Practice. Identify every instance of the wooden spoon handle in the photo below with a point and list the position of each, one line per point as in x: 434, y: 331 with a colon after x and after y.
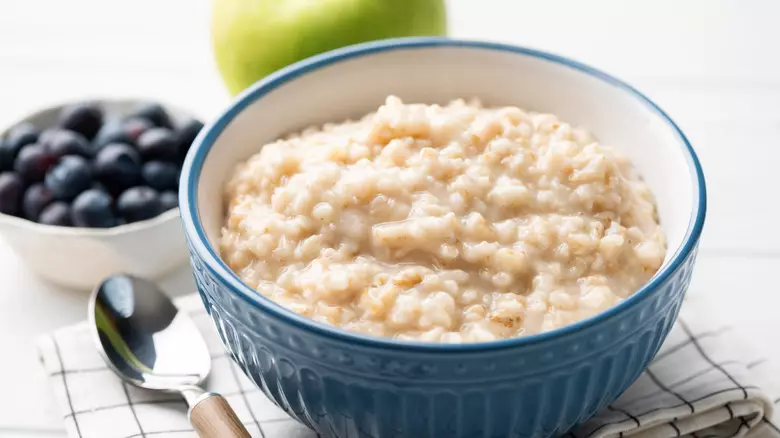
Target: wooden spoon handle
x: 212, y: 417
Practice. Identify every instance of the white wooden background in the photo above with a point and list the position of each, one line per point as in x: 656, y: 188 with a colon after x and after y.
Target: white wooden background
x: 714, y: 65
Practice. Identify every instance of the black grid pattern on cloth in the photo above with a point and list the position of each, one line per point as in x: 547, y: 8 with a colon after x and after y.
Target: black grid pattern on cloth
x: 706, y: 357
x: 692, y: 342
x: 132, y: 409
x: 244, y: 398
x: 666, y: 389
x: 167, y: 399
x: 675, y: 348
x: 131, y: 402
x: 682, y: 381
x: 625, y: 414
x: 190, y: 431
x: 65, y: 383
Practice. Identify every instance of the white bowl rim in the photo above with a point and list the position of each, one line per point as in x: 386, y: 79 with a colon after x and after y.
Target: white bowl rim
x: 118, y: 230
x: 56, y: 230
x: 198, y: 153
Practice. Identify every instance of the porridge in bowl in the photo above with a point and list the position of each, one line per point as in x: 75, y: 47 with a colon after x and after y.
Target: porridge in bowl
x: 455, y: 223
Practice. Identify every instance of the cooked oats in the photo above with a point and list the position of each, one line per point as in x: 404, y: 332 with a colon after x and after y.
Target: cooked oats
x: 455, y: 223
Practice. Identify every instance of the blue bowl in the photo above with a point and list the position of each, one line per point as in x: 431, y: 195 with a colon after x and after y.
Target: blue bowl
x: 343, y: 384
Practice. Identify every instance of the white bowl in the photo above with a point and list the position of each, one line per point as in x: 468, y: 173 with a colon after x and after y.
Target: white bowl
x: 79, y: 258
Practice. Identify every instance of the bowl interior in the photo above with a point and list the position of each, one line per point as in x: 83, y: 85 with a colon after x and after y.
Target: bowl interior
x: 334, y: 88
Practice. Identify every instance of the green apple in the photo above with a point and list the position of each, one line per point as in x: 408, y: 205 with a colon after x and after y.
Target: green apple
x: 252, y: 38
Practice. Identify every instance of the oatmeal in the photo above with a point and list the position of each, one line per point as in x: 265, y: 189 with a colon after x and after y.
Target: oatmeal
x: 455, y: 223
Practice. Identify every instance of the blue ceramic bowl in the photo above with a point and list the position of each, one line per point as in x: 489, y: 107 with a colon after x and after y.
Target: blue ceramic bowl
x: 343, y: 384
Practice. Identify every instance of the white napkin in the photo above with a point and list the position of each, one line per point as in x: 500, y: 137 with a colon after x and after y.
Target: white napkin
x: 700, y: 384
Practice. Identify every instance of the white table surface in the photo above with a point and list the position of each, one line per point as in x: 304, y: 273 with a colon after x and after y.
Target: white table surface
x: 714, y: 65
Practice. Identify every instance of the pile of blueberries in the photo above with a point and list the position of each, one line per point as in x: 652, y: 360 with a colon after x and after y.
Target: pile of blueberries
x: 92, y: 170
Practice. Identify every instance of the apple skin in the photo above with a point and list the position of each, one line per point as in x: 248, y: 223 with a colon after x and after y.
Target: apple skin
x: 252, y: 38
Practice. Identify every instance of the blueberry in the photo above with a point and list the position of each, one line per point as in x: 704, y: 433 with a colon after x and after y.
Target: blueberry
x: 97, y: 185
x: 112, y: 131
x: 61, y: 142
x: 134, y: 127
x: 84, y: 118
x: 47, y: 135
x: 19, y: 136
x: 56, y: 213
x: 11, y: 190
x: 120, y: 131
x: 153, y: 112
x: 186, y: 135
x: 8, y: 153
x: 35, y: 199
x: 71, y: 176
x: 23, y: 134
x: 33, y: 162
x: 169, y: 200
x: 160, y: 175
x: 157, y: 144
x: 139, y: 203
x: 92, y: 208
x: 118, y: 166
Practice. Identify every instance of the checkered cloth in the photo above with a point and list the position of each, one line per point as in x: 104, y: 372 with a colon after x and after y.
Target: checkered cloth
x: 702, y: 384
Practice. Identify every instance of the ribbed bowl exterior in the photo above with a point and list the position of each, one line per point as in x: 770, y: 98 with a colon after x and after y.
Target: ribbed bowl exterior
x: 540, y: 389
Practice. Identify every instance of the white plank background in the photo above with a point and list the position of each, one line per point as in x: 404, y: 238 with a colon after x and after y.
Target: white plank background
x: 714, y: 65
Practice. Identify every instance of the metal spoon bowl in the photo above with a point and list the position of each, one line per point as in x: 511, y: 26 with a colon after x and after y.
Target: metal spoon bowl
x: 149, y: 343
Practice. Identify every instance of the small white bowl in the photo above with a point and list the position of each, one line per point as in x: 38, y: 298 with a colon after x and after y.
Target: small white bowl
x: 79, y: 258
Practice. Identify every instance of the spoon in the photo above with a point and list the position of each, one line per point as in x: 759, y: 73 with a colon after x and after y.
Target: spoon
x: 145, y: 340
